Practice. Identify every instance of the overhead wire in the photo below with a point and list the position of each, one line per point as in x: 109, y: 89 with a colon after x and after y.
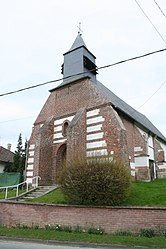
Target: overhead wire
x: 152, y: 95
x: 16, y: 119
x: 98, y: 68
x: 102, y: 67
x: 150, y: 21
x: 160, y: 8
x: 132, y: 113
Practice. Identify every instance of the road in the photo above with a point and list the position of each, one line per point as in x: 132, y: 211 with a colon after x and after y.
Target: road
x: 12, y: 244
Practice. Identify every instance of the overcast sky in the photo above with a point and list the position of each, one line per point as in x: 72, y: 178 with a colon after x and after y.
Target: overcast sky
x: 34, y: 34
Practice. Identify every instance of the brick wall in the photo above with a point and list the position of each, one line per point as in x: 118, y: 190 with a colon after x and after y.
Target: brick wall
x: 70, y: 99
x: 110, y: 219
x: 77, y: 108
x: 62, y: 103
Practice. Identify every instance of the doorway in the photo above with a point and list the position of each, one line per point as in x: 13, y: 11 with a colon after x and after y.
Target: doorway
x: 152, y: 169
x: 61, y: 157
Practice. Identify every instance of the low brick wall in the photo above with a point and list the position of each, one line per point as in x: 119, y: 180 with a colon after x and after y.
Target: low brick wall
x: 108, y: 218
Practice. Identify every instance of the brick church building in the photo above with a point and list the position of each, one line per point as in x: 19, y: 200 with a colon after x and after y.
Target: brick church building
x: 82, y: 116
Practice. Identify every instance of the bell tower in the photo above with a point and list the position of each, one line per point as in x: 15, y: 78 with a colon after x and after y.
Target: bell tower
x: 79, y: 62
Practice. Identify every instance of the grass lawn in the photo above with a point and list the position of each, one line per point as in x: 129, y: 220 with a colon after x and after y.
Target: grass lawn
x: 147, y: 194
x: 141, y: 194
x: 11, y: 193
x: 44, y: 234
x: 54, y: 197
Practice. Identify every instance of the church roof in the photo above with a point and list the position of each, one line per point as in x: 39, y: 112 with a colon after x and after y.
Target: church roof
x: 79, y: 42
x: 121, y: 105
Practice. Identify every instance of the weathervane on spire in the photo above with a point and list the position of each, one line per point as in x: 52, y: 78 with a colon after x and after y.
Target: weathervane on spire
x: 79, y: 28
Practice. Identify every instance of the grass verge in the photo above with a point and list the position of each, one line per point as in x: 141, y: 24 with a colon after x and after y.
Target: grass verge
x: 43, y: 234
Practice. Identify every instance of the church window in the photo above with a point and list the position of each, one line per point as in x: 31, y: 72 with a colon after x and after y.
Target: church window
x: 65, y: 128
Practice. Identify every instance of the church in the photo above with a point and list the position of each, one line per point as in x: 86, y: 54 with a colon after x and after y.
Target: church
x: 83, y: 117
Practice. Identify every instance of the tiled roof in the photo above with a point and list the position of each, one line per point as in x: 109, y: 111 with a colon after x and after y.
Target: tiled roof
x: 6, y: 155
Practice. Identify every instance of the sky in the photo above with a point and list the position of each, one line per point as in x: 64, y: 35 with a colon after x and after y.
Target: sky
x: 34, y: 35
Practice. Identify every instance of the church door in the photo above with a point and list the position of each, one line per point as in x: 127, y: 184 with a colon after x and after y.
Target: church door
x: 61, y: 157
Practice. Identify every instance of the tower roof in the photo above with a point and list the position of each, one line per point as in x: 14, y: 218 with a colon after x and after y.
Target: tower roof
x: 79, y: 42
x: 79, y: 63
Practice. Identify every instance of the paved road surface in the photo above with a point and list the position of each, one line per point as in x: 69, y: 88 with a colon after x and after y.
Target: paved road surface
x: 4, y: 244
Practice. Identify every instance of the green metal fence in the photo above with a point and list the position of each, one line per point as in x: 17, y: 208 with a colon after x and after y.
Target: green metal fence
x: 9, y: 179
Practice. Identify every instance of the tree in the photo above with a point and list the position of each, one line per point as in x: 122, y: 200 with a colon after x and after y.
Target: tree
x: 20, y: 157
x: 18, y: 164
x: 8, y: 167
x: 95, y: 182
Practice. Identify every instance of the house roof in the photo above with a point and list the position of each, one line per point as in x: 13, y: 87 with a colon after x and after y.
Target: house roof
x: 6, y: 155
x: 136, y: 116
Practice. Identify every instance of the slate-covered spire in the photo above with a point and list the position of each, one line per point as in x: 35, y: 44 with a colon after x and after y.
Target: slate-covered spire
x: 78, y: 42
x: 79, y: 62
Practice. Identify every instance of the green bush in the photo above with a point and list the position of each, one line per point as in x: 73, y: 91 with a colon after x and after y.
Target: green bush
x: 95, y: 182
x: 163, y: 232
x: 149, y: 233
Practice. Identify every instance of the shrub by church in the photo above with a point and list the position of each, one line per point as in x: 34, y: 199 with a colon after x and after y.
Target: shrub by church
x: 82, y: 116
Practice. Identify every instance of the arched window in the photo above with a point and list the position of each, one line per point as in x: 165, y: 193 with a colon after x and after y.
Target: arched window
x: 65, y: 128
